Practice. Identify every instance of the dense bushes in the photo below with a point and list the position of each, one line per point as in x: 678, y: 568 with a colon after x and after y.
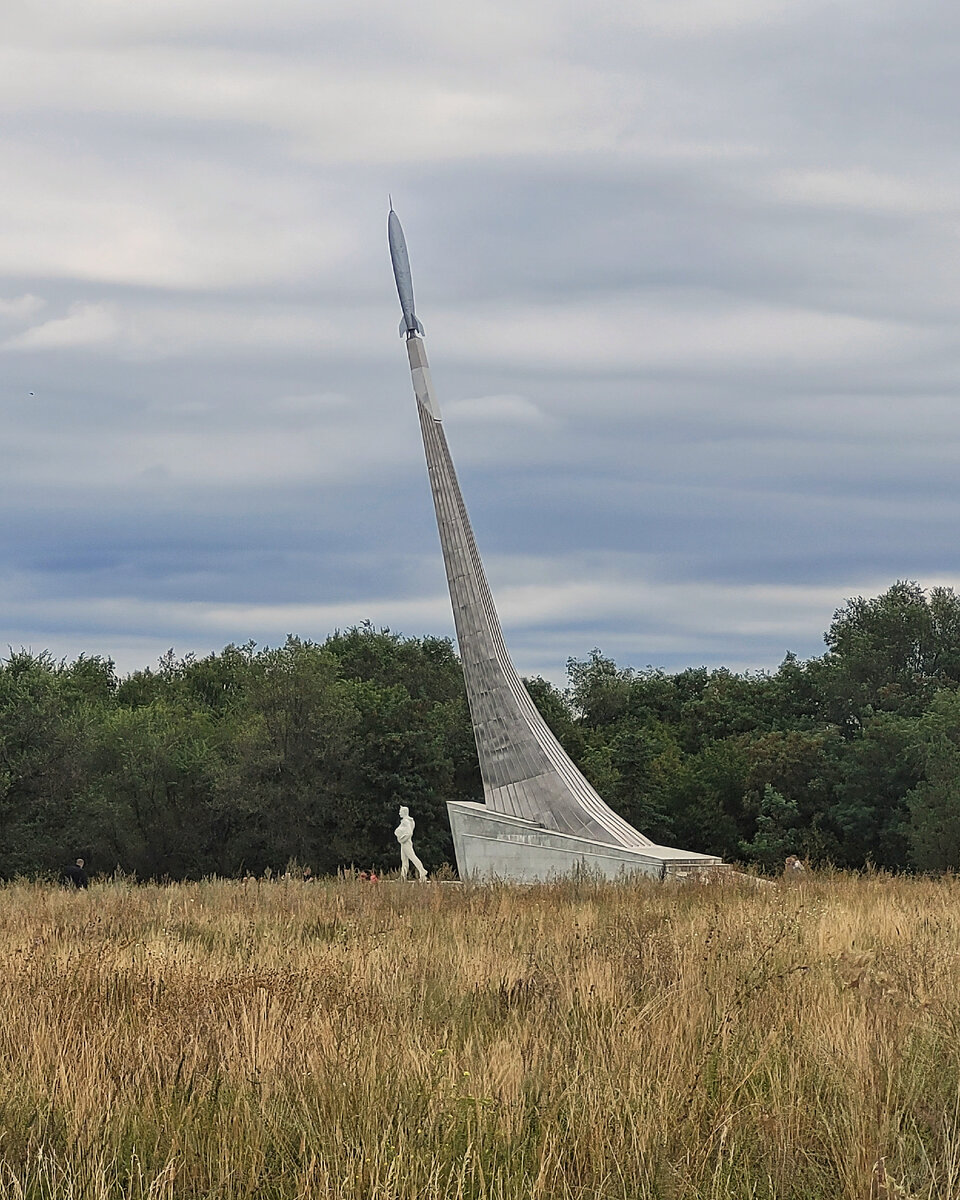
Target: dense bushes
x: 851, y: 757
x: 250, y: 758
x: 236, y: 762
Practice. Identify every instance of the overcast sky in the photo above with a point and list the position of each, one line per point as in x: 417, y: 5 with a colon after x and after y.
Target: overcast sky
x: 687, y: 269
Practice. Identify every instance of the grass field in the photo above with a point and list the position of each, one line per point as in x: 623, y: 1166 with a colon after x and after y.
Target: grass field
x: 345, y: 1039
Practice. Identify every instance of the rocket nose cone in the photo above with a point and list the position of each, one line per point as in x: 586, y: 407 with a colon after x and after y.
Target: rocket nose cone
x: 394, y: 237
x: 398, y: 253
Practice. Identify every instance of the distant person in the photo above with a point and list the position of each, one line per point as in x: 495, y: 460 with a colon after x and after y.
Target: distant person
x: 75, y: 874
x: 307, y: 875
x: 793, y: 868
x: 374, y: 877
x: 404, y: 835
x: 362, y: 876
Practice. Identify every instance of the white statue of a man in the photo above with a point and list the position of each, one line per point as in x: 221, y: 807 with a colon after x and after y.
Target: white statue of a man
x: 404, y: 835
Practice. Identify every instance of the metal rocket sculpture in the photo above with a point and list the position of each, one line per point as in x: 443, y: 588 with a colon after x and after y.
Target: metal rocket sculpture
x: 401, y: 272
x: 532, y: 790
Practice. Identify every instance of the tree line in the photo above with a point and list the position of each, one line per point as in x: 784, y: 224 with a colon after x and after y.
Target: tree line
x: 252, y: 758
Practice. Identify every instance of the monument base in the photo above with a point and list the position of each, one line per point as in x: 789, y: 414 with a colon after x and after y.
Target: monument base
x: 491, y: 845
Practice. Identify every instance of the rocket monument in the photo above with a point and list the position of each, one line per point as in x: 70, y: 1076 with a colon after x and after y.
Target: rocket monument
x: 540, y: 817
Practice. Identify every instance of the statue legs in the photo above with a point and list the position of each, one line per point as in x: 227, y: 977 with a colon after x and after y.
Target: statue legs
x: 408, y: 857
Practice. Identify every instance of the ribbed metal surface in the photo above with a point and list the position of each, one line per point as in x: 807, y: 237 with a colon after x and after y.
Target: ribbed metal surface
x: 526, y: 772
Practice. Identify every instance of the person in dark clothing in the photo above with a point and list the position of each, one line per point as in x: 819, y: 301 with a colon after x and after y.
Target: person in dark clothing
x: 75, y: 874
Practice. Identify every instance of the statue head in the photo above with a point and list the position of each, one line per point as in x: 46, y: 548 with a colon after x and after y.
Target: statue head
x: 404, y: 811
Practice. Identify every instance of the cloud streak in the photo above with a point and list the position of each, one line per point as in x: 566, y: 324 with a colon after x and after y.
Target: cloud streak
x: 84, y: 325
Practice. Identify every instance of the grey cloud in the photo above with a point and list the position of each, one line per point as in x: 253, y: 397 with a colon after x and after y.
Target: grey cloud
x: 708, y: 246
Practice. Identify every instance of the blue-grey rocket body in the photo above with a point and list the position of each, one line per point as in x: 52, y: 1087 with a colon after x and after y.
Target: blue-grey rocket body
x: 409, y: 326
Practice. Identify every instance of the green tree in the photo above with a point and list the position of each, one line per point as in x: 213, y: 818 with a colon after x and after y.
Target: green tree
x: 777, y: 833
x: 802, y: 767
x: 875, y: 771
x: 289, y: 743
x: 891, y: 653
x: 599, y: 690
x: 722, y: 705
x: 146, y: 806
x: 49, y: 714
x: 933, y: 805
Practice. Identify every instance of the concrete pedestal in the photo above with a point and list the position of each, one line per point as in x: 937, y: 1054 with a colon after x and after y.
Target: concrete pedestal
x: 491, y: 845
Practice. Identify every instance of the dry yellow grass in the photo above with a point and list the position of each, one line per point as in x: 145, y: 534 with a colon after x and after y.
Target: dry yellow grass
x: 227, y: 1040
